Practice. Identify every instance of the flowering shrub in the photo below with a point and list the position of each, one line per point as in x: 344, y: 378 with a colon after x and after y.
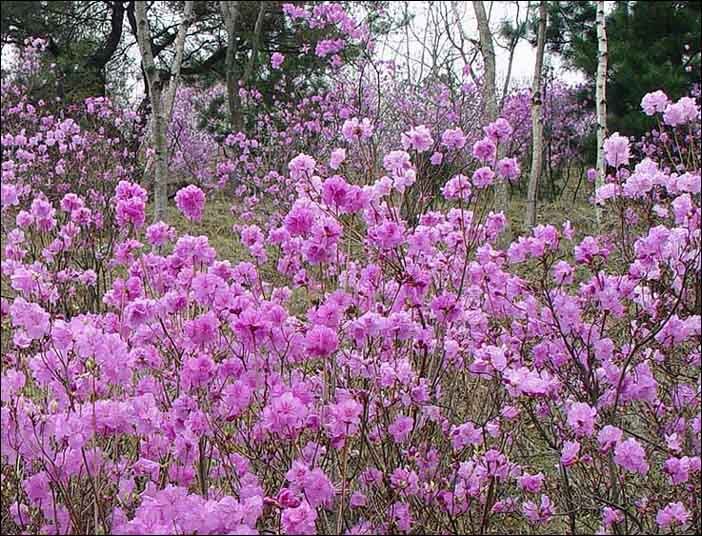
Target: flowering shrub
x: 395, y: 377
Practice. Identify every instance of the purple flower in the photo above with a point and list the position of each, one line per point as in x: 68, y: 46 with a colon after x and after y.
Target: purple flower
x: 654, y: 102
x: 453, y: 138
x: 581, y: 418
x: 508, y: 168
x: 483, y: 177
x: 673, y: 514
x: 484, y: 149
x: 569, y: 453
x: 683, y: 111
x: 191, y: 202
x: 337, y: 157
x: 400, y: 428
x: 616, y: 149
x: 355, y: 130
x: 419, y: 138
x: 499, y: 130
x: 531, y: 483
x: 321, y: 341
x: 299, y: 520
x: 277, y: 60
x: 631, y: 456
x: 318, y: 490
x: 401, y: 516
x: 608, y: 437
x: 302, y: 166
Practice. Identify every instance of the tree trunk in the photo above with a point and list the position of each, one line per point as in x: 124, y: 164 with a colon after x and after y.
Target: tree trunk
x: 175, y: 68
x: 537, y: 125
x: 160, y: 107
x: 487, y: 49
x: 512, y: 48
x: 230, y: 14
x: 98, y: 60
x: 249, y: 74
x: 601, y: 99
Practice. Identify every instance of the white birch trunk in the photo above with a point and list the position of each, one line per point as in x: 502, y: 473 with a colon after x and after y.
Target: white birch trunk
x: 161, y: 108
x: 537, y: 126
x: 175, y: 68
x: 601, y: 99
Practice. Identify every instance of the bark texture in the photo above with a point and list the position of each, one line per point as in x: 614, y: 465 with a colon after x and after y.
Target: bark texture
x: 487, y: 49
x: 537, y: 125
x: 161, y: 104
x: 230, y: 15
x: 601, y: 98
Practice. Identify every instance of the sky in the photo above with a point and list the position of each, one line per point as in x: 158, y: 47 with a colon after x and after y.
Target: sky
x: 524, y: 56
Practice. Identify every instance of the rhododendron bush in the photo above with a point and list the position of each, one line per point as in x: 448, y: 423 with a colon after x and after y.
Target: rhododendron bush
x: 375, y: 362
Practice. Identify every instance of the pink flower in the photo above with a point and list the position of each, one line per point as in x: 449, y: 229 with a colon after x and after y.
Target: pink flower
x: 37, y: 488
x: 531, y: 483
x: 683, y: 111
x: 401, y: 516
x: 508, y: 168
x: 302, y: 166
x: 484, y: 149
x: 202, y: 329
x: 499, y: 130
x: 299, y: 520
x: 8, y: 194
x: 483, y: 177
x: 191, y: 202
x: 569, y: 453
x: 453, y: 138
x: 458, y: 187
x: 654, y: 102
x: 355, y: 130
x: 608, y: 437
x: 562, y: 273
x: 159, y: 234
x: 611, y: 516
x: 581, y: 418
x: 337, y: 157
x: 678, y: 469
x: 30, y: 316
x: 419, y: 138
x: 397, y: 162
x: 616, y: 149
x: 299, y: 220
x: 326, y: 47
x: 631, y: 456
x: 537, y: 514
x: 285, y: 415
x: 321, y: 341
x: 358, y: 500
x: 673, y: 514
x: 400, y: 428
x: 277, y: 60
x: 387, y: 235
x: 465, y: 434
x: 318, y: 489
x: 436, y: 159
x: 334, y: 191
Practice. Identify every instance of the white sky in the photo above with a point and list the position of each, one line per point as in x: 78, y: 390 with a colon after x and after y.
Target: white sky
x: 524, y: 56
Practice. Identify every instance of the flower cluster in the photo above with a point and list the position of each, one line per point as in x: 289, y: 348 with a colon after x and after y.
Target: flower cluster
x: 373, y: 363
